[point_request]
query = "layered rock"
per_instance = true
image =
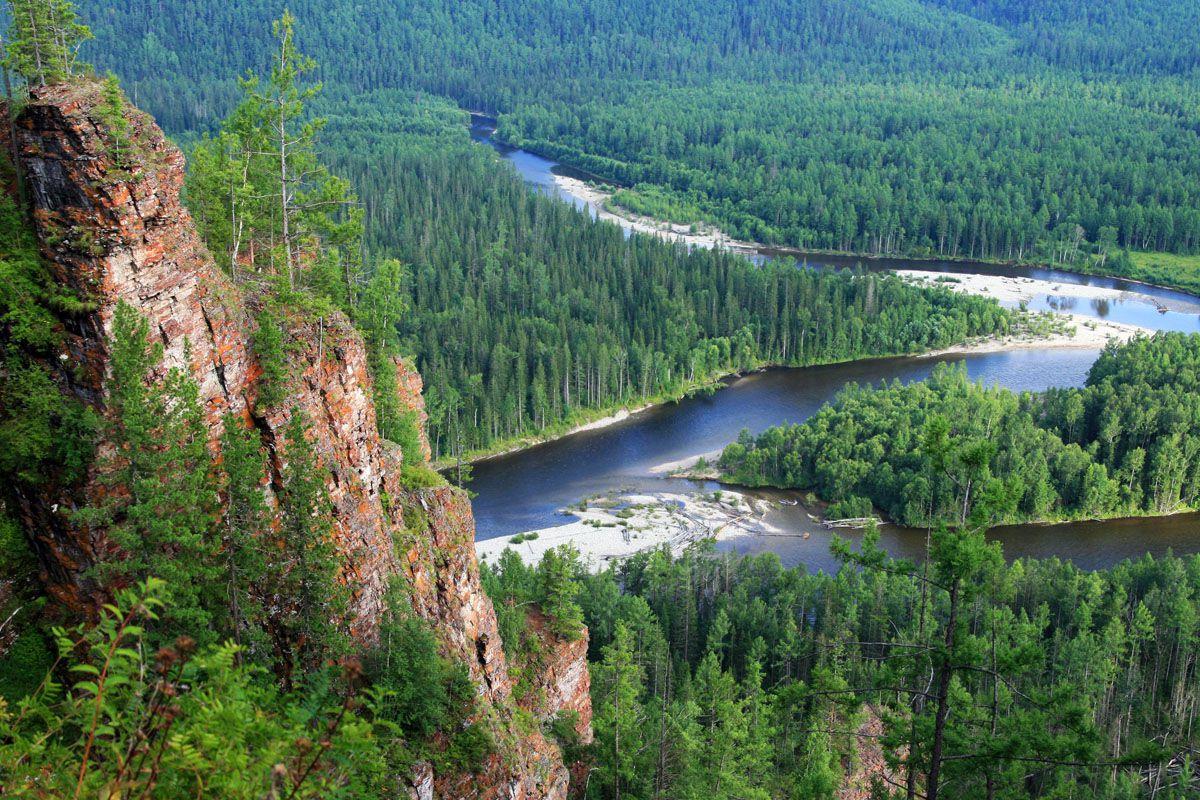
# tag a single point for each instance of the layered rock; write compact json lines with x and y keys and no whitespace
{"x":115,"y":233}
{"x":562,"y":682}
{"x":112,"y":229}
{"x":443,"y":576}
{"x":409,"y":388}
{"x":562,"y":685}
{"x":868,"y":771}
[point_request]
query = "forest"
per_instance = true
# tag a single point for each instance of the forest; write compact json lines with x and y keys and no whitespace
{"x":524,"y":315}
{"x":222,"y":665}
{"x":1018,"y":130}
{"x":880,"y":139}
{"x":947,"y":450}
{"x":716,"y":676}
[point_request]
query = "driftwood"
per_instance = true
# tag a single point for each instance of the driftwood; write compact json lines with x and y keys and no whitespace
{"x":852,"y":522}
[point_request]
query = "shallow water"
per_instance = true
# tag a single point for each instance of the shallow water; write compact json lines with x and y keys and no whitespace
{"x":527,"y":490}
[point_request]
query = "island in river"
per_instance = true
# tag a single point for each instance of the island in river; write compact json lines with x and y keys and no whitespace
{"x":623,"y":462}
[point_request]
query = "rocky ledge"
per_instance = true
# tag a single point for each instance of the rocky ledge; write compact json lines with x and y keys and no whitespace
{"x":117,"y":232}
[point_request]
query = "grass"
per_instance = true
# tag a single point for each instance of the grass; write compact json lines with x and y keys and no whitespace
{"x":1167,"y":269}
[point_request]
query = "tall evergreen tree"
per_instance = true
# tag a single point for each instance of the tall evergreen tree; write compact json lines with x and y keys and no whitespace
{"x":264,"y":200}
{"x":307,"y":598}
{"x":246,"y":535}
{"x":44,"y":40}
{"x":160,"y":510}
{"x":617,"y":690}
{"x":558,"y":591}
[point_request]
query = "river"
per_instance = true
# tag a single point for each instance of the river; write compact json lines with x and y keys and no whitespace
{"x":526,"y":490}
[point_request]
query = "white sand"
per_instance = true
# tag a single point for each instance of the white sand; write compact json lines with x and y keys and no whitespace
{"x":533,"y":441}
{"x":681,"y":464}
{"x":617,"y":526}
{"x":705,"y":236}
{"x":1089,"y":333}
{"x":612,"y":419}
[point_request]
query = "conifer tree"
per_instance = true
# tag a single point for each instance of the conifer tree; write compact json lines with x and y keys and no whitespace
{"x":617,"y":684}
{"x":559,"y":591}
{"x":161,"y":509}
{"x":245,"y":534}
{"x":308,"y":597}
{"x":44,"y":40}
{"x":264,"y":200}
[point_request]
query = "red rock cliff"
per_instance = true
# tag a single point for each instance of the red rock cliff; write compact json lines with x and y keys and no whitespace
{"x":118,"y":233}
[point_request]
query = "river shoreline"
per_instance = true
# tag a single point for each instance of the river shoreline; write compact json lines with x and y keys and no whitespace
{"x":623,"y":413}
{"x":595,"y":190}
{"x":619,"y":464}
{"x":619,"y":525}
{"x":595,"y":194}
{"x":1083,"y":333}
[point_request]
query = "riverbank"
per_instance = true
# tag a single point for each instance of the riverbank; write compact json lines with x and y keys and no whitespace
{"x":1013,"y":292}
{"x":582,"y":422}
{"x":618,"y":525}
{"x":1094,"y":337}
{"x":1153,"y":270}
{"x":703,"y":235}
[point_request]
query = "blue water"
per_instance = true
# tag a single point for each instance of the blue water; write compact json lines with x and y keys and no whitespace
{"x":529,"y":489}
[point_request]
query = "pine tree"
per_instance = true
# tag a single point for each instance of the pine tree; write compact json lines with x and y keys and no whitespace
{"x":160,"y":510}
{"x":618,"y":721}
{"x":308,"y":599}
{"x":246,"y":534}
{"x":559,"y":591}
{"x":264,"y":199}
{"x":44,"y":40}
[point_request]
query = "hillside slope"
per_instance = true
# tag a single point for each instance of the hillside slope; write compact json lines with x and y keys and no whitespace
{"x":111,"y":229}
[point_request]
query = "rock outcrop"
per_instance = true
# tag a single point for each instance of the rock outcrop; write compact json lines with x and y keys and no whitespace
{"x":409,"y":388}
{"x":443,"y":576}
{"x":868,"y":771}
{"x":562,"y":682}
{"x":113,"y":229}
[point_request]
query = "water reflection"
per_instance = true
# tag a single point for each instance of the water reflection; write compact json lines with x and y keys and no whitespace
{"x":1089,"y":545}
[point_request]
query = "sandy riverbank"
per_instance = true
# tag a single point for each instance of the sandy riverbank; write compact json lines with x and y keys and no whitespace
{"x":1082,"y":332}
{"x":705,"y":235}
{"x":611,"y":419}
{"x":616,"y":526}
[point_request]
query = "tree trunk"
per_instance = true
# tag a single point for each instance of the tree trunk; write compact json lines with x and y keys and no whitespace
{"x":945,"y":672}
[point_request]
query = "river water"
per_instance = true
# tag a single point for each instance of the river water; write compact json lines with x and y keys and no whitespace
{"x":527,"y":490}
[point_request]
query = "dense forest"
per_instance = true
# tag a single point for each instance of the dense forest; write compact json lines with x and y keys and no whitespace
{"x":948,"y":450}
{"x":523,"y":314}
{"x":724,"y":677}
{"x":1016,"y":130}
{"x":223,"y":665}
{"x":880,"y":139}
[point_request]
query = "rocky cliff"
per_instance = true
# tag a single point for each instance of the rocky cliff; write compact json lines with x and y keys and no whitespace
{"x":114,"y":230}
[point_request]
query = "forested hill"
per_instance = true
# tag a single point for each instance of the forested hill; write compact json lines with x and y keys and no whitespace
{"x":950,"y":451}
{"x":1055,"y":132}
{"x":181,"y":57}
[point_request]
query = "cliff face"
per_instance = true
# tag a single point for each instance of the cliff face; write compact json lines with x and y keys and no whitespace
{"x":440,"y":566}
{"x":562,"y":681}
{"x":112,"y":236}
{"x":117,"y":232}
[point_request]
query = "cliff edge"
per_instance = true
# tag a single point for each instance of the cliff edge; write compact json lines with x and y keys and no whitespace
{"x":113,"y":229}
